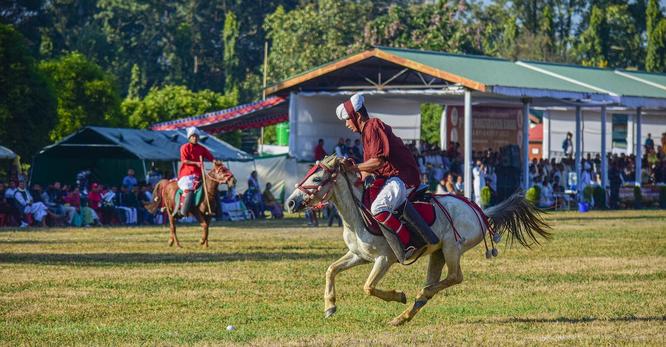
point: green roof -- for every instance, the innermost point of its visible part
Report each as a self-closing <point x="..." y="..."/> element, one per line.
<point x="658" y="78"/>
<point x="605" y="79"/>
<point x="487" y="70"/>
<point x="509" y="78"/>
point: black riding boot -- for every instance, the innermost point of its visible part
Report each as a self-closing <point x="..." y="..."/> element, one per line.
<point x="187" y="202"/>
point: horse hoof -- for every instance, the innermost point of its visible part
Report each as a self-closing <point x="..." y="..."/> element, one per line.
<point x="330" y="312"/>
<point x="398" y="321"/>
<point x="403" y="298"/>
<point x="170" y="243"/>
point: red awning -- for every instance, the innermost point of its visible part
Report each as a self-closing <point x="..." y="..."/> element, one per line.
<point x="253" y="115"/>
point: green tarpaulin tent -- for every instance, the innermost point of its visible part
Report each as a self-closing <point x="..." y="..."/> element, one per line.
<point x="109" y="152"/>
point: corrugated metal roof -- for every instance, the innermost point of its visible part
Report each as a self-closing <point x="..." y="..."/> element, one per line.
<point x="487" y="70"/>
<point x="515" y="79"/>
<point x="144" y="144"/>
<point x="605" y="79"/>
<point x="657" y="79"/>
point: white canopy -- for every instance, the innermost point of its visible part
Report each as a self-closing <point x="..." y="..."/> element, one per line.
<point x="6" y="153"/>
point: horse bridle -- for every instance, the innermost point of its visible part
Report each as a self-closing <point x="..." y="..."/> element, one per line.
<point x="311" y="191"/>
<point x="227" y="176"/>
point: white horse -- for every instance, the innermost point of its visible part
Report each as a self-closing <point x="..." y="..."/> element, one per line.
<point x="330" y="180"/>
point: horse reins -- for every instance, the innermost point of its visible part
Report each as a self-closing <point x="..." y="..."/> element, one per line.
<point x="311" y="190"/>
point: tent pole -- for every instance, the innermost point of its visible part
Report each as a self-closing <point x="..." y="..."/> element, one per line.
<point x="639" y="148"/>
<point x="525" y="149"/>
<point x="468" y="145"/>
<point x="578" y="154"/>
<point x="442" y="131"/>
<point x="145" y="172"/>
<point x="604" y="161"/>
<point x="175" y="169"/>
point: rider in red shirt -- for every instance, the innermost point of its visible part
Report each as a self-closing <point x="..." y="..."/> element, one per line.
<point x="189" y="176"/>
<point x="389" y="160"/>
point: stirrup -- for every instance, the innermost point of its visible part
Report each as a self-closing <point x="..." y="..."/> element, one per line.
<point x="409" y="252"/>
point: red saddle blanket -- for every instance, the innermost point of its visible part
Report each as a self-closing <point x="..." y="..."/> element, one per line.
<point x="425" y="209"/>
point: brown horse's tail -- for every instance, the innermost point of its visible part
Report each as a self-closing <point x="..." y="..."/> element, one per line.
<point x="157" y="198"/>
<point x="519" y="219"/>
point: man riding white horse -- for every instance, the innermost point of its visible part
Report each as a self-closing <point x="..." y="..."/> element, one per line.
<point x="192" y="155"/>
<point x="385" y="157"/>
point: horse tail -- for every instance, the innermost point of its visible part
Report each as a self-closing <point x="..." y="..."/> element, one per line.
<point x="157" y="198"/>
<point x="520" y="219"/>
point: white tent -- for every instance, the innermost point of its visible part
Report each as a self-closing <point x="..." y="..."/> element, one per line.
<point x="6" y="153"/>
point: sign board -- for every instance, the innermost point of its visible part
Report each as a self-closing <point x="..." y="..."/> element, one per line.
<point x="492" y="127"/>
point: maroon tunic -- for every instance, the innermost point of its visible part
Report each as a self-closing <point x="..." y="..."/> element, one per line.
<point x="380" y="142"/>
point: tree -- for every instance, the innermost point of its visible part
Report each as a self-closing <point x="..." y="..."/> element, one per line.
<point x="624" y="41"/>
<point x="136" y="83"/>
<point x="592" y="48"/>
<point x="433" y="27"/>
<point x="230" y="38"/>
<point x="173" y="102"/>
<point x="27" y="101"/>
<point x="312" y="35"/>
<point x="86" y="94"/>
<point x="431" y="115"/>
<point x="656" y="40"/>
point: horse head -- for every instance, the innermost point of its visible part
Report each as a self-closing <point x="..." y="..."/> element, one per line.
<point x="316" y="188"/>
<point x="221" y="174"/>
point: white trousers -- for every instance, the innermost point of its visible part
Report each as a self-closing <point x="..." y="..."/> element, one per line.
<point x="130" y="213"/>
<point x="186" y="182"/>
<point x="392" y="195"/>
<point x="37" y="210"/>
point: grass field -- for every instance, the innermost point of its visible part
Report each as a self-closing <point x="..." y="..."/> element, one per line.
<point x="602" y="280"/>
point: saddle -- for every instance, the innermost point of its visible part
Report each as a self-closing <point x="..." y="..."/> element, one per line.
<point x="198" y="195"/>
<point x="419" y="199"/>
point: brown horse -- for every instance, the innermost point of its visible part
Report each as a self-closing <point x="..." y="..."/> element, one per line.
<point x="165" y="192"/>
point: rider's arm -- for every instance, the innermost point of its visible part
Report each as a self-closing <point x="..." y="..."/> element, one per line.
<point x="371" y="165"/>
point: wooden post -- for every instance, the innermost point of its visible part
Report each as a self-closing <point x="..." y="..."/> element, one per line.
<point x="203" y="181"/>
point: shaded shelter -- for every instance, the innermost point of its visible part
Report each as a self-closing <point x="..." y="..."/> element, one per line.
<point x="110" y="152"/>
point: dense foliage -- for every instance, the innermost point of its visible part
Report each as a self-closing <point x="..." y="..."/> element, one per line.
<point x="27" y="102"/>
<point x="131" y="50"/>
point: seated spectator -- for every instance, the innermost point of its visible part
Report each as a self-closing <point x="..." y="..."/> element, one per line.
<point x="446" y="185"/>
<point x="319" y="151"/>
<point x="110" y="199"/>
<point x="142" y="197"/>
<point x="95" y="199"/>
<point x="271" y="203"/>
<point x="252" y="197"/>
<point x="357" y="152"/>
<point x="37" y="210"/>
<point x="6" y="209"/>
<point x="546" y="197"/>
<point x="130" y="181"/>
<point x="55" y="207"/>
<point x="154" y="176"/>
<point x="128" y="203"/>
<point x="340" y="150"/>
<point x="459" y="186"/>
<point x="85" y="215"/>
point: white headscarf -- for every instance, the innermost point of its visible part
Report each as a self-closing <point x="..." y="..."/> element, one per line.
<point x="357" y="101"/>
<point x="192" y="131"/>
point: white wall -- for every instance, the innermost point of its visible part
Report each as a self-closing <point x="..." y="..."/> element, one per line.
<point x="563" y="121"/>
<point x="312" y="116"/>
